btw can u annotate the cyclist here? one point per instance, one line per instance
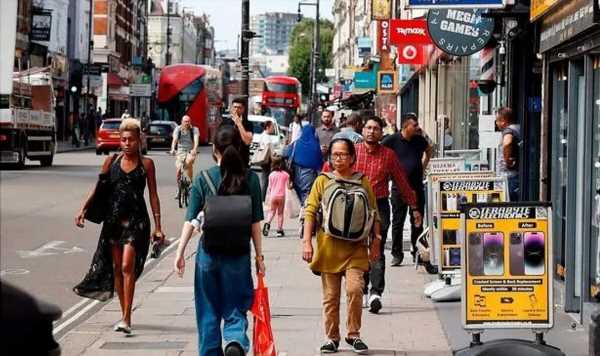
(186, 138)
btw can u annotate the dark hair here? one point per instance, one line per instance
(233, 168)
(349, 145)
(276, 163)
(329, 111)
(506, 113)
(239, 100)
(353, 120)
(408, 117)
(266, 124)
(377, 120)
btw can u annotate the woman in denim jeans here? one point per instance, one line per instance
(223, 288)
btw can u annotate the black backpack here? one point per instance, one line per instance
(227, 226)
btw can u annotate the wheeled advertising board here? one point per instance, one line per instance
(453, 194)
(507, 282)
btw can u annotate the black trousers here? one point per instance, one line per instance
(377, 273)
(399, 210)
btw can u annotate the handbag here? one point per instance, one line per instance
(262, 156)
(98, 206)
(227, 226)
(292, 204)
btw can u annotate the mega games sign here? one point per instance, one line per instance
(507, 281)
(459, 32)
(438, 4)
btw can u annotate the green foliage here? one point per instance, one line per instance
(301, 51)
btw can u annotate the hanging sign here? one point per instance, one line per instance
(466, 4)
(387, 82)
(507, 282)
(403, 32)
(381, 9)
(411, 54)
(540, 7)
(384, 36)
(41, 25)
(459, 32)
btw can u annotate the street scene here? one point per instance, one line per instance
(274, 178)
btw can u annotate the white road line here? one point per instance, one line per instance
(92, 303)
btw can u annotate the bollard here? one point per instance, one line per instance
(594, 335)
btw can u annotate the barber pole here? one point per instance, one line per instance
(488, 69)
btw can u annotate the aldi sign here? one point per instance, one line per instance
(465, 4)
(387, 82)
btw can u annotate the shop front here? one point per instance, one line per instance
(570, 43)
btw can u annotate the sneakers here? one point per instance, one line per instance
(234, 349)
(358, 345)
(266, 228)
(374, 303)
(330, 346)
(365, 303)
(122, 327)
(280, 233)
(397, 261)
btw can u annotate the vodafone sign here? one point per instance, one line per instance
(403, 32)
(411, 54)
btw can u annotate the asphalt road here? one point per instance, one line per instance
(41, 249)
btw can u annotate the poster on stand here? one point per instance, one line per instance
(452, 194)
(507, 280)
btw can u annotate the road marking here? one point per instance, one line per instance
(59, 326)
(14, 271)
(49, 249)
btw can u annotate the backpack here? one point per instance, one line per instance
(346, 213)
(191, 131)
(227, 226)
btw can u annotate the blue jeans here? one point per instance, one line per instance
(513, 188)
(223, 290)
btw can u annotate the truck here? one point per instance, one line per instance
(27, 115)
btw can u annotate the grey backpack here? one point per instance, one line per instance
(345, 208)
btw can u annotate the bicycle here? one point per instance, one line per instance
(184, 186)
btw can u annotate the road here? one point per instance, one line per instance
(41, 250)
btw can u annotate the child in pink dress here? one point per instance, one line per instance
(279, 180)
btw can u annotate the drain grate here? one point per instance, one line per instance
(144, 345)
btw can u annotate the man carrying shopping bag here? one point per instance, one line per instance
(263, 341)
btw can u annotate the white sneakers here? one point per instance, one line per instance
(122, 327)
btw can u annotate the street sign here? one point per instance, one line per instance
(92, 69)
(507, 279)
(411, 54)
(459, 32)
(140, 90)
(465, 4)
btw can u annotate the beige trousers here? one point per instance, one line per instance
(332, 285)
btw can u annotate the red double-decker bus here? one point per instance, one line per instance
(281, 98)
(182, 91)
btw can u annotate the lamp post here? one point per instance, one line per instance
(167, 53)
(314, 68)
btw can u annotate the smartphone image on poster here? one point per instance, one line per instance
(517, 261)
(493, 254)
(475, 256)
(534, 253)
(455, 257)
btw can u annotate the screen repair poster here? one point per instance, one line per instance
(453, 194)
(506, 278)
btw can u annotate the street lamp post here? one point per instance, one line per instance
(89, 60)
(314, 68)
(167, 54)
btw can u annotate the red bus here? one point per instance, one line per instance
(281, 98)
(182, 91)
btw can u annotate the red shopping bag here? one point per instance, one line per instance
(264, 343)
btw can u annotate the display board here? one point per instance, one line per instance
(507, 281)
(432, 203)
(452, 194)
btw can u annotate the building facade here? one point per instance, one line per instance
(275, 29)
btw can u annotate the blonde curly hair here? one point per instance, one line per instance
(131, 125)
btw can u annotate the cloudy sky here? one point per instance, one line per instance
(225, 15)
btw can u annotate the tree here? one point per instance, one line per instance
(301, 51)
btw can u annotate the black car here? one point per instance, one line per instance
(159, 134)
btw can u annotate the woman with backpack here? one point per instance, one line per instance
(342, 209)
(305, 157)
(226, 204)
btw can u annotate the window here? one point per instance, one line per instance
(285, 88)
(111, 125)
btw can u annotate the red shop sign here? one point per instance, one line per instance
(403, 32)
(411, 54)
(384, 36)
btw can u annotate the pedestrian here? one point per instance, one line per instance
(76, 133)
(351, 129)
(380, 165)
(223, 287)
(326, 131)
(125, 236)
(508, 150)
(306, 161)
(295, 128)
(413, 152)
(125, 114)
(279, 180)
(99, 117)
(239, 120)
(264, 142)
(184, 146)
(334, 257)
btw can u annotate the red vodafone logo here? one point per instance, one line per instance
(410, 52)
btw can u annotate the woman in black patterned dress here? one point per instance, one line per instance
(125, 237)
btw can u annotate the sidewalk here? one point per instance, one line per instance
(164, 319)
(66, 146)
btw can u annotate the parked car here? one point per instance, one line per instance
(277, 138)
(159, 134)
(108, 138)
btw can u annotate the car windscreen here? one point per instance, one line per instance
(257, 128)
(111, 125)
(160, 130)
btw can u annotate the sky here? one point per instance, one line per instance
(226, 15)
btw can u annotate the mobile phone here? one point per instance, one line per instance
(449, 237)
(517, 267)
(534, 253)
(493, 254)
(454, 257)
(475, 255)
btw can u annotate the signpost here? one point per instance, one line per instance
(459, 32)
